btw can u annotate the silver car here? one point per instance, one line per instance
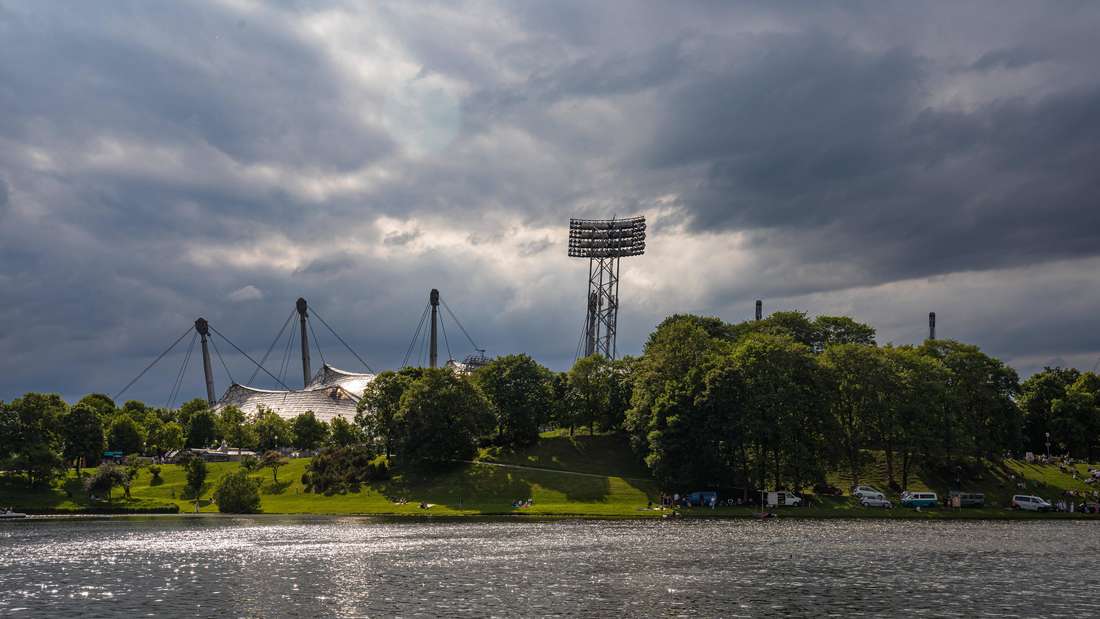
(875, 499)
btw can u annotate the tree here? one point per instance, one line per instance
(125, 435)
(202, 428)
(309, 432)
(106, 477)
(273, 460)
(1075, 417)
(32, 429)
(922, 401)
(985, 419)
(196, 477)
(442, 415)
(188, 410)
(233, 426)
(272, 431)
(518, 388)
(102, 404)
(169, 437)
(82, 431)
(590, 379)
(342, 433)
(830, 330)
(378, 411)
(1037, 395)
(858, 379)
(237, 493)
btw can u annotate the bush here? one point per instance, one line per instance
(250, 463)
(340, 469)
(106, 477)
(154, 471)
(237, 493)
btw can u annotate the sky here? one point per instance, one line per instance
(220, 158)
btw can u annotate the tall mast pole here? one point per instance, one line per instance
(759, 309)
(303, 314)
(433, 358)
(931, 325)
(203, 328)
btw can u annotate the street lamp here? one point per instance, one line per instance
(1048, 445)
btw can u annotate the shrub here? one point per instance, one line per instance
(106, 477)
(339, 469)
(237, 493)
(250, 463)
(154, 471)
(196, 477)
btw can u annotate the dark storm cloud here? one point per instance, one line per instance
(158, 159)
(834, 150)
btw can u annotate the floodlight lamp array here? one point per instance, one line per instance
(606, 238)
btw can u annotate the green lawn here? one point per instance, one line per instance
(591, 476)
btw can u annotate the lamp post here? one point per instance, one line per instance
(1048, 445)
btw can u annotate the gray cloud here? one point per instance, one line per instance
(879, 159)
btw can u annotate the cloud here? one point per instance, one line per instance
(883, 160)
(246, 293)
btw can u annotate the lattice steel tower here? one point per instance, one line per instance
(604, 242)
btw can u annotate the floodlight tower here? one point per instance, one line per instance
(604, 242)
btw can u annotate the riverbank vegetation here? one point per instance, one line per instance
(788, 402)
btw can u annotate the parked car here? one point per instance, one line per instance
(968, 499)
(860, 491)
(919, 499)
(784, 498)
(1030, 503)
(875, 499)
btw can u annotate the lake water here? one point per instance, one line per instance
(285, 566)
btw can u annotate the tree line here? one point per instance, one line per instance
(777, 403)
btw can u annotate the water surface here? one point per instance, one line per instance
(287, 566)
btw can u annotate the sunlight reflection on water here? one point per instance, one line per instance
(268, 566)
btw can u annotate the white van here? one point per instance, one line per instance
(783, 498)
(1030, 503)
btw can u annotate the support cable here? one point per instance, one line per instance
(459, 323)
(333, 331)
(580, 340)
(416, 334)
(178, 384)
(246, 356)
(224, 366)
(286, 354)
(316, 341)
(148, 367)
(450, 357)
(275, 341)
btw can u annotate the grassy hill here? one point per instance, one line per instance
(565, 476)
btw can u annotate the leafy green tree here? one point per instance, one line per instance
(188, 410)
(1075, 417)
(786, 417)
(518, 389)
(106, 477)
(1037, 395)
(273, 460)
(672, 367)
(125, 435)
(443, 415)
(858, 377)
(82, 432)
(986, 419)
(922, 401)
(169, 437)
(272, 431)
(196, 477)
(590, 379)
(564, 408)
(234, 427)
(32, 427)
(830, 330)
(138, 411)
(237, 493)
(378, 411)
(309, 432)
(342, 433)
(102, 404)
(202, 428)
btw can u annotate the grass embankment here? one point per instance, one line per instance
(595, 476)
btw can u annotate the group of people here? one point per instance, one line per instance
(518, 503)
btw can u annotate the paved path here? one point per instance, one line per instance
(548, 470)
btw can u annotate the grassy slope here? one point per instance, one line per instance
(613, 484)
